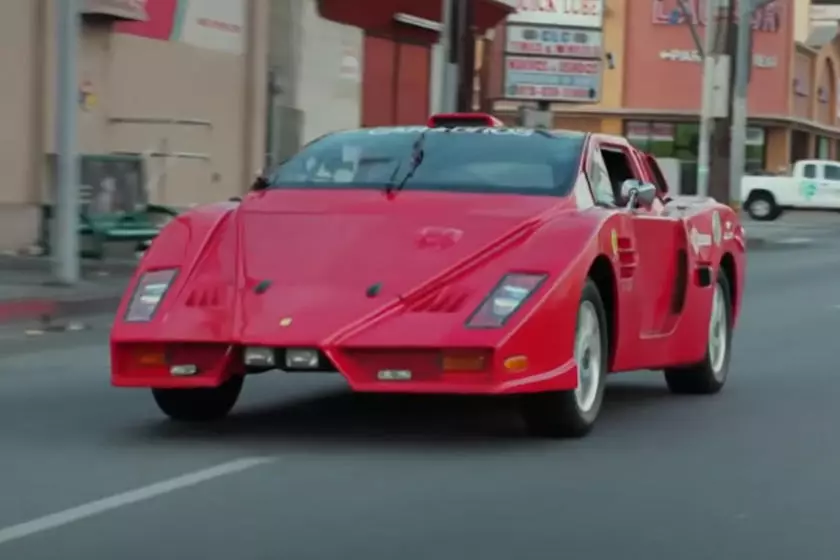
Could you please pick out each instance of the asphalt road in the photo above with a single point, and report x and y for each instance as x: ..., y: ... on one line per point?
x: 306, y: 470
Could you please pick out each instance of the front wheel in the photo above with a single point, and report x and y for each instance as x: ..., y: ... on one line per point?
x: 709, y: 376
x: 573, y: 413
x: 199, y: 405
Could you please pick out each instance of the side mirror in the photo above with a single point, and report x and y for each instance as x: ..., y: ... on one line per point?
x: 635, y: 192
x: 260, y: 183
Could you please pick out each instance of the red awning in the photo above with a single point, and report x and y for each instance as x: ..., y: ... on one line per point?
x: 379, y: 15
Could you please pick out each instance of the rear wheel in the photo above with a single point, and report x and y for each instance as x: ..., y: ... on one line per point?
x: 573, y: 413
x: 199, y: 405
x: 761, y: 206
x: 709, y: 376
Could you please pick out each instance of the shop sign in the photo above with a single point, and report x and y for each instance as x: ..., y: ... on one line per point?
x: 678, y: 55
x: 668, y: 12
x: 552, y: 79
x: 134, y: 10
x: 568, y: 13
x: 554, y: 41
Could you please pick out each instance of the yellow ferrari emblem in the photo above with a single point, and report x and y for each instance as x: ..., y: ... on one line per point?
x: 614, y: 242
x: 285, y: 321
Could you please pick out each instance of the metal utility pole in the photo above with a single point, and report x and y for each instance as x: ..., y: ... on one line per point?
x: 743, y: 62
x: 720, y: 152
x: 448, y: 77
x: 466, y: 56
x: 65, y: 229
x: 707, y: 99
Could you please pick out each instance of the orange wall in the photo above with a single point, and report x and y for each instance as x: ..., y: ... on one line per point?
x: 653, y: 83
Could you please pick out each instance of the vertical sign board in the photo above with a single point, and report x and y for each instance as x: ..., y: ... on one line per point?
x: 587, y: 14
x: 554, y: 41
x: 554, y: 51
x: 552, y: 79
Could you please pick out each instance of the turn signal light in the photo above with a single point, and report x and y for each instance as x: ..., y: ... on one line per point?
x: 151, y: 358
x: 464, y: 361
x: 516, y: 364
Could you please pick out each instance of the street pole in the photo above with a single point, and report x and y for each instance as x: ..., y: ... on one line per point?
x: 448, y: 77
x: 65, y: 236
x: 466, y: 57
x: 743, y: 63
x: 707, y: 99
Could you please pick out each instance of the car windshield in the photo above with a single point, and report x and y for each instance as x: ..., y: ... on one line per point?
x: 485, y: 160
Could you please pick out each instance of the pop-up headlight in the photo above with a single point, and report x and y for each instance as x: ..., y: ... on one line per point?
x: 505, y: 299
x: 149, y: 293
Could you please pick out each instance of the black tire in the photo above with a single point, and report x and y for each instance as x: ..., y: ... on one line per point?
x: 199, y: 405
x: 557, y: 414
x: 761, y: 199
x: 701, y: 378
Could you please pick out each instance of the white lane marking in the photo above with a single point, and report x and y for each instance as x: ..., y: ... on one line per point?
x: 795, y: 240
x: 116, y: 501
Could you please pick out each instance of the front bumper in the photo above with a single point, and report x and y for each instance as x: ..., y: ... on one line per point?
x: 431, y: 371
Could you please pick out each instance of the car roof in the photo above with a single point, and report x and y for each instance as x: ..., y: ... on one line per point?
x: 559, y: 133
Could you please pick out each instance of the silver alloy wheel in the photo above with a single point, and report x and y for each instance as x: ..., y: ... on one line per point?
x: 588, y: 356
x: 718, y: 333
x: 760, y: 208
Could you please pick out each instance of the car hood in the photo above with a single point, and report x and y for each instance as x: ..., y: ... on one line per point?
x: 331, y: 258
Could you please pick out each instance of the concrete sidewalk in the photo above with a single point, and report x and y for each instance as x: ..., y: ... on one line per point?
x: 28, y: 293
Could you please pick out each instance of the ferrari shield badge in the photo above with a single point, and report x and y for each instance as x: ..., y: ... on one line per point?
x: 285, y: 321
x: 614, y: 243
x: 716, y: 229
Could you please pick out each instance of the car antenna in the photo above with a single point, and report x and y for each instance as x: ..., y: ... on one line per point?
x: 417, y: 155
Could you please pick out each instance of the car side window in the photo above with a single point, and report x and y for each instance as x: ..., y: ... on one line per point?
x: 599, y: 180
x: 832, y: 172
x: 809, y: 171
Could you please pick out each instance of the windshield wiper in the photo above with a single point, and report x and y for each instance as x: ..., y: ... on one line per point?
x: 417, y: 155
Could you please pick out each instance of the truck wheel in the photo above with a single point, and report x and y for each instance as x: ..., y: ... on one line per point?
x: 199, y: 405
x: 573, y: 413
x: 709, y: 376
x: 761, y: 206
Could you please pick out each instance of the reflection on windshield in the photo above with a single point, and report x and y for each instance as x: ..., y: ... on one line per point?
x: 469, y: 160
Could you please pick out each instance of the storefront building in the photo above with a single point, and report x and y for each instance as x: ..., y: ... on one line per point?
x: 647, y: 82
x: 171, y: 103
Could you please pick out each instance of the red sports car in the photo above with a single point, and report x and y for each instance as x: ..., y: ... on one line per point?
x: 472, y: 259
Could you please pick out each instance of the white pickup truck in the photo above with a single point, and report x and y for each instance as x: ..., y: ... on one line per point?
x: 813, y: 184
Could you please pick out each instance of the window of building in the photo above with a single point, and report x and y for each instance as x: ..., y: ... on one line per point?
x: 682, y: 141
x: 822, y: 151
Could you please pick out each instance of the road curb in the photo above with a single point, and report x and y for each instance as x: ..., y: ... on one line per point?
x: 52, y: 311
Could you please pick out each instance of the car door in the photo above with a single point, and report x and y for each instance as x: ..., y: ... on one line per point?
x: 659, y: 243
x: 827, y: 193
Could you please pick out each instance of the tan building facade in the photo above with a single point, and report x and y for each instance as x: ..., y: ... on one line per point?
x: 183, y: 85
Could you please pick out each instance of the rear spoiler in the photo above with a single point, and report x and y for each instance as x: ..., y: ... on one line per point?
x: 449, y: 120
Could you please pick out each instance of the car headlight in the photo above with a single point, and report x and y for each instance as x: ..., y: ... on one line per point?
x: 508, y: 296
x: 150, y: 290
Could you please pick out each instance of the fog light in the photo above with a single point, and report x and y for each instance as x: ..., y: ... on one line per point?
x: 183, y: 370
x: 301, y: 358
x: 259, y: 357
